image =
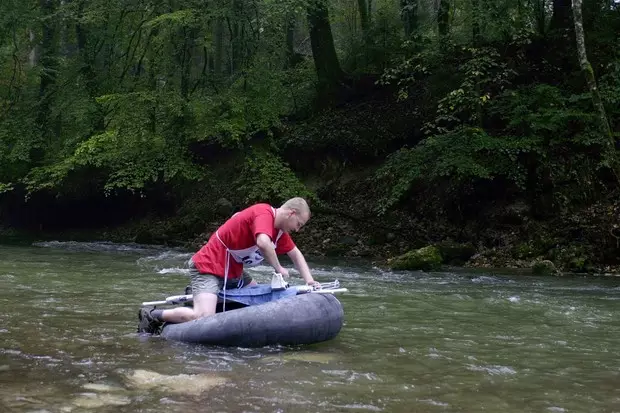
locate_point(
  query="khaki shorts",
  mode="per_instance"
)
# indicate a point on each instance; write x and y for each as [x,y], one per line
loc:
[209,283]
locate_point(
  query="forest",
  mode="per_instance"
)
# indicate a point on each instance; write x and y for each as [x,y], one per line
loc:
[487,128]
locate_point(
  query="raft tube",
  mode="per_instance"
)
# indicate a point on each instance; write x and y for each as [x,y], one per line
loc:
[299,319]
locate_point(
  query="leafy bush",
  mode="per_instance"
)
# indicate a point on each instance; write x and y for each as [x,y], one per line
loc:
[265,177]
[138,147]
[461,156]
[548,144]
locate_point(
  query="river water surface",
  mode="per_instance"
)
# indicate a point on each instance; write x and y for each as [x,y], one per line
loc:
[411,342]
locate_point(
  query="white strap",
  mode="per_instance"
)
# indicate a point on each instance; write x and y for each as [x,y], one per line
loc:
[226,269]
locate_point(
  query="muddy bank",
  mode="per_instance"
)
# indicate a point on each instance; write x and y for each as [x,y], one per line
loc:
[583,241]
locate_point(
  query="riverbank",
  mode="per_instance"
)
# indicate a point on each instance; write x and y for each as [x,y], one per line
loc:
[502,236]
[584,241]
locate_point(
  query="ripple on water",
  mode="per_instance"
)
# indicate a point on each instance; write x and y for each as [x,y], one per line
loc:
[352,376]
[164,271]
[355,406]
[506,338]
[166,255]
[493,370]
[434,402]
[101,246]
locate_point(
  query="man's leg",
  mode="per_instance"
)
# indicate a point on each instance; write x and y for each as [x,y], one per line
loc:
[204,305]
[205,288]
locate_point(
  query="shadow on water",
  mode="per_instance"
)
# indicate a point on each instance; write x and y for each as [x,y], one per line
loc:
[454,341]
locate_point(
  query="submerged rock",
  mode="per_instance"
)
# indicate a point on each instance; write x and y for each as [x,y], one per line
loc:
[191,384]
[427,258]
[309,357]
[101,387]
[97,400]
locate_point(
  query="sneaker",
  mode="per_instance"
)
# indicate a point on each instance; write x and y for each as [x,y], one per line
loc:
[147,323]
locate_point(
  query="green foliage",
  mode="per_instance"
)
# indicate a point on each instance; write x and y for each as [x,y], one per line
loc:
[535,137]
[21,144]
[462,156]
[179,17]
[457,148]
[138,147]
[570,151]
[483,76]
[406,72]
[5,187]
[254,103]
[609,85]
[544,268]
[264,177]
[141,90]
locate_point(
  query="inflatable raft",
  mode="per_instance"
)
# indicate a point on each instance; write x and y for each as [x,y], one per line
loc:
[260,316]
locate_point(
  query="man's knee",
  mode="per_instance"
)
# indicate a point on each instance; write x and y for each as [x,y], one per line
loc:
[203,313]
[205,304]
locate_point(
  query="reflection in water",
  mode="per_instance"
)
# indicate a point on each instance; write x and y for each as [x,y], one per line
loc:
[411,341]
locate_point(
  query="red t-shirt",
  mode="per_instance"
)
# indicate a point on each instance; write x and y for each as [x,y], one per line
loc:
[239,233]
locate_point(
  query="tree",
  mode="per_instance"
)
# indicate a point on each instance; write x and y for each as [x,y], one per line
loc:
[323,50]
[588,72]
[443,17]
[409,14]
[364,15]
[49,43]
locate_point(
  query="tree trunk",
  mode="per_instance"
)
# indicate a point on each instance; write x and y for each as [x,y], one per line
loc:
[292,58]
[87,69]
[64,28]
[590,79]
[443,17]
[236,29]
[218,52]
[540,16]
[364,16]
[33,56]
[184,58]
[326,61]
[48,65]
[409,15]
[475,22]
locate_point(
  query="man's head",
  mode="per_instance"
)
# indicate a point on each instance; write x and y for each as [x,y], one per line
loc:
[292,215]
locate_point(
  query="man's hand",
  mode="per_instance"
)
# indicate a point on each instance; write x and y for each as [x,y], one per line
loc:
[282,271]
[314,284]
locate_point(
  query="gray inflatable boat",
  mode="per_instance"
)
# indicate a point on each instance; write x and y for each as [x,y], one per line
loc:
[259,316]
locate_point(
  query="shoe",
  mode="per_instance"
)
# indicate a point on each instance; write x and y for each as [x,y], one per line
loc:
[147,324]
[188,291]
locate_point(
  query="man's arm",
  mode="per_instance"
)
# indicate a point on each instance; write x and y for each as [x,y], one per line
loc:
[263,242]
[302,266]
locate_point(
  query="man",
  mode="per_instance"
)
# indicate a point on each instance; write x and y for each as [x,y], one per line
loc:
[257,233]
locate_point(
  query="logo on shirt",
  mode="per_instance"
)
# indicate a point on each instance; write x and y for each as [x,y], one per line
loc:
[253,259]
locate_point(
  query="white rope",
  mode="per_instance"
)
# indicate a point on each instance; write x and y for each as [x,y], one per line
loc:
[226,268]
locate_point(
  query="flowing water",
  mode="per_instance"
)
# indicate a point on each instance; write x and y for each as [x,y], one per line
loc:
[411,342]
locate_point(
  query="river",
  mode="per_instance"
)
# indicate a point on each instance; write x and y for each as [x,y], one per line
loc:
[411,342]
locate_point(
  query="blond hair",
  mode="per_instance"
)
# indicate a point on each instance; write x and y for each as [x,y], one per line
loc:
[297,204]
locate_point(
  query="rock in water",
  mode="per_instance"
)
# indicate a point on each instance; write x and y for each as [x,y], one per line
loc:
[425,259]
[192,384]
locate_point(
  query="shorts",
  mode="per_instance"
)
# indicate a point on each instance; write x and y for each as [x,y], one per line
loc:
[209,283]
